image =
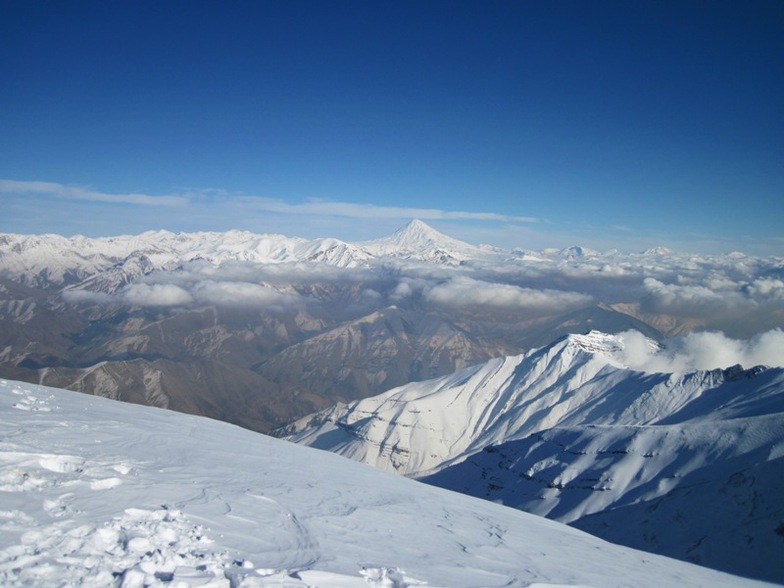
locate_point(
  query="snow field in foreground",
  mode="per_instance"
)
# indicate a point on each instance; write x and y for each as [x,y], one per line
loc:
[99,493]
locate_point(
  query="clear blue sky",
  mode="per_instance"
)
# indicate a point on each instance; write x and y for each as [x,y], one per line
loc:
[606,124]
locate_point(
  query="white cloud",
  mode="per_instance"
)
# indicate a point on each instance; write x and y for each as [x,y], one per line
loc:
[463,291]
[768,288]
[78,193]
[141,294]
[688,300]
[257,203]
[372,211]
[85,297]
[242,294]
[703,351]
[403,290]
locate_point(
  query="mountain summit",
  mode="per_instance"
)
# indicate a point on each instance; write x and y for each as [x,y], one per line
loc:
[418,240]
[417,233]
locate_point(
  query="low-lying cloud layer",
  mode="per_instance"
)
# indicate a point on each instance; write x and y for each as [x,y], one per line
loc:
[182,293]
[465,292]
[738,295]
[702,351]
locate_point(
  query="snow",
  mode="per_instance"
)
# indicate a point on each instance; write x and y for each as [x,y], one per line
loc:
[568,432]
[421,427]
[99,493]
[43,260]
[419,241]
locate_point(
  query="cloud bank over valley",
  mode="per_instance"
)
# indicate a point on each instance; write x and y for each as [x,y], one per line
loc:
[288,325]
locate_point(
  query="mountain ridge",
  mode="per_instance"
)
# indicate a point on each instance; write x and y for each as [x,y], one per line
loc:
[575,380]
[54,260]
[569,432]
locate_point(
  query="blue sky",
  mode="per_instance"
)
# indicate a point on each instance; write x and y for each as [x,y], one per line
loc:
[531,124]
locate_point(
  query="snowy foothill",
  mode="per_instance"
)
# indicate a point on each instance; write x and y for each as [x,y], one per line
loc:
[95,492]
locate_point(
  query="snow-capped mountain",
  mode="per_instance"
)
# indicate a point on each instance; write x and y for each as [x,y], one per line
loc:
[419,241]
[55,261]
[422,427]
[105,264]
[568,432]
[263,329]
[99,493]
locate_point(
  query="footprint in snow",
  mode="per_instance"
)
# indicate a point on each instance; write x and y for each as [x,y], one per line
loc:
[139,548]
[30,402]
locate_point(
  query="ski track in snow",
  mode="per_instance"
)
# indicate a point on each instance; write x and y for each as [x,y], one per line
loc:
[147,498]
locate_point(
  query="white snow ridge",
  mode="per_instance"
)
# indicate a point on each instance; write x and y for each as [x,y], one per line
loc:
[99,493]
[689,465]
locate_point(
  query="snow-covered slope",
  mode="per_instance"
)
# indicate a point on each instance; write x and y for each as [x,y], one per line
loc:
[708,492]
[568,432]
[422,427]
[99,493]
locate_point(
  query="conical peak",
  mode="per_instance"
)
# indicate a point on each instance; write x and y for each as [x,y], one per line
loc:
[419,230]
[418,240]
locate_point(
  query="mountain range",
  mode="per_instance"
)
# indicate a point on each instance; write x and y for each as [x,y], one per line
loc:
[486,371]
[260,330]
[52,261]
[689,465]
[254,329]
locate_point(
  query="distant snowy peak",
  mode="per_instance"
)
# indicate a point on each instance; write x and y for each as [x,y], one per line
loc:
[658,251]
[104,263]
[577,252]
[420,241]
